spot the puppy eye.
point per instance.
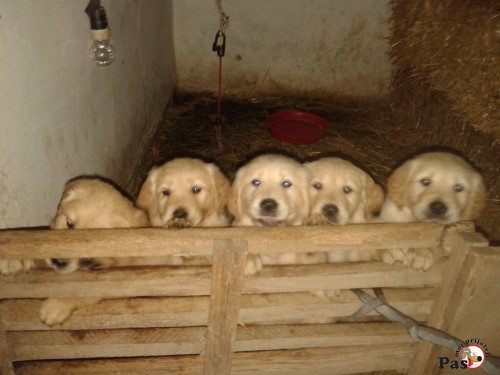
(286, 184)
(318, 186)
(166, 192)
(70, 224)
(347, 189)
(196, 189)
(425, 181)
(255, 182)
(458, 188)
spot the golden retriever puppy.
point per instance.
(90, 202)
(94, 202)
(341, 193)
(270, 191)
(436, 187)
(185, 192)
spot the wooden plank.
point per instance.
(117, 282)
(470, 288)
(176, 341)
(179, 281)
(106, 343)
(317, 361)
(228, 272)
(342, 276)
(145, 242)
(279, 308)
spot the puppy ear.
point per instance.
(477, 199)
(221, 186)
(234, 200)
(141, 219)
(397, 184)
(146, 199)
(373, 198)
(305, 204)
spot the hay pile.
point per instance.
(451, 48)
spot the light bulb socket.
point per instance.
(99, 34)
(97, 15)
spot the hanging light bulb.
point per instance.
(101, 51)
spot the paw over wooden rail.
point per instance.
(214, 320)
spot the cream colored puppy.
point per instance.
(341, 193)
(271, 191)
(93, 202)
(90, 202)
(185, 192)
(436, 187)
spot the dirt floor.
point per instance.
(367, 133)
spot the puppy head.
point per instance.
(186, 189)
(91, 202)
(270, 190)
(341, 193)
(438, 186)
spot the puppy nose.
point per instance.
(330, 211)
(269, 204)
(180, 213)
(59, 263)
(438, 208)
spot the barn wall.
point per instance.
(317, 47)
(61, 115)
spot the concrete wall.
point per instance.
(61, 116)
(310, 47)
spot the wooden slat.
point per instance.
(472, 276)
(175, 341)
(341, 276)
(228, 274)
(164, 281)
(118, 282)
(317, 361)
(279, 308)
(151, 241)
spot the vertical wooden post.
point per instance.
(228, 272)
(466, 302)
(5, 357)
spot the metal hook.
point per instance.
(219, 44)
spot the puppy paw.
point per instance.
(179, 223)
(56, 311)
(253, 265)
(422, 259)
(327, 294)
(11, 267)
(317, 220)
(394, 256)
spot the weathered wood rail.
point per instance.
(214, 320)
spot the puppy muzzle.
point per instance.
(330, 211)
(437, 210)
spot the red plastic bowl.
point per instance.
(295, 127)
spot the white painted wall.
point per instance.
(309, 47)
(61, 116)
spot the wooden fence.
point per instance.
(214, 320)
